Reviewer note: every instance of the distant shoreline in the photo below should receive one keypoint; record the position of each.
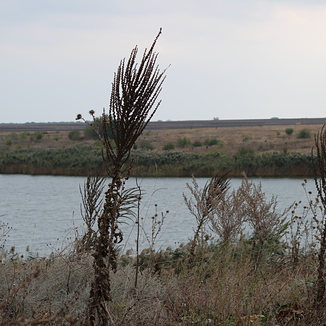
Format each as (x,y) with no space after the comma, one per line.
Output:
(155,125)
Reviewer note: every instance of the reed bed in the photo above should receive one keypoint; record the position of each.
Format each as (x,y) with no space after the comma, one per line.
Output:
(84,160)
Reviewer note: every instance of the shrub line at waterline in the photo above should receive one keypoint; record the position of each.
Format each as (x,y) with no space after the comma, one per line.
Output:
(84,160)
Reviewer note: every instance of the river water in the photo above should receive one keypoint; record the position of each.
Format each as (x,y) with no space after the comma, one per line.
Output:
(43,212)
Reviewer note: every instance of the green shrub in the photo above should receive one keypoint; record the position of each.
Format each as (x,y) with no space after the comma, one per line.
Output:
(211,142)
(74,135)
(289,131)
(245,139)
(13,136)
(183,142)
(246,151)
(23,135)
(304,133)
(196,144)
(37,135)
(89,132)
(9,142)
(168,146)
(97,125)
(145,144)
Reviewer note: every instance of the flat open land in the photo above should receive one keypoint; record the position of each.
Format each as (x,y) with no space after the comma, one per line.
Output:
(259,136)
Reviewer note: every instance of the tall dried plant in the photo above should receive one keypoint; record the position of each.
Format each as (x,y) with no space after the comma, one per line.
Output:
(262,215)
(319,169)
(133,102)
(229,216)
(91,209)
(204,202)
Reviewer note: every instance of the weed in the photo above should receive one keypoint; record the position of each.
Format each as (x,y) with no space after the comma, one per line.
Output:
(134,92)
(204,203)
(320,170)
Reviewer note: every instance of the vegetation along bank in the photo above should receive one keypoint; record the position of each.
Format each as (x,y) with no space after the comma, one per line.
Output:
(266,151)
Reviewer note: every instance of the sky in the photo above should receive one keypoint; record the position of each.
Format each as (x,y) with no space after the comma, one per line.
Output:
(226,59)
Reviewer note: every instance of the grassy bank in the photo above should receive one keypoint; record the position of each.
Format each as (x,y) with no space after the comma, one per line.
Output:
(264,277)
(222,286)
(82,160)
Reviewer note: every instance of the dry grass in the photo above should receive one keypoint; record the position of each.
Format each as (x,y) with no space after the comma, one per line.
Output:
(221,288)
(259,139)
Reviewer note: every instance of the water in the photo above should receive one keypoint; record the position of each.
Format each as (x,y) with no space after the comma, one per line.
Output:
(44,211)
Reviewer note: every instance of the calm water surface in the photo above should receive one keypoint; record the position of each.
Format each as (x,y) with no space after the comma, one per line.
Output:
(44,211)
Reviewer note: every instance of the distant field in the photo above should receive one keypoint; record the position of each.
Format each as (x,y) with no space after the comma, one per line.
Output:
(229,136)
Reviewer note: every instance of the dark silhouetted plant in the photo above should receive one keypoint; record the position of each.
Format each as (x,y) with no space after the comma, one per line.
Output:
(133,102)
(91,209)
(320,183)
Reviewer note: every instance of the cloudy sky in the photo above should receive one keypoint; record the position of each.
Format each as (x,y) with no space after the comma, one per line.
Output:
(232,59)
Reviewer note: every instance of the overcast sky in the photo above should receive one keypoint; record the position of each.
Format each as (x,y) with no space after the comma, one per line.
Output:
(232,59)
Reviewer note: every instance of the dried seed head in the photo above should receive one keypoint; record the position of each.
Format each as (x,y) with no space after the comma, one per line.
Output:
(79,116)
